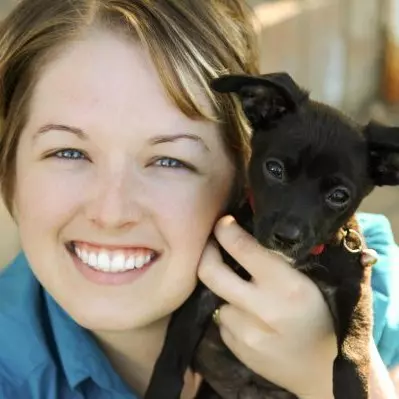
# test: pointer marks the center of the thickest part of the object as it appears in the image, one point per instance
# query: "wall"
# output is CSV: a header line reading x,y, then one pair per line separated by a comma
x,y
332,47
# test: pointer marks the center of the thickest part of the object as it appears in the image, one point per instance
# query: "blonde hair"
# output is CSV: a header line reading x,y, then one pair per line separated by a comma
x,y
186,39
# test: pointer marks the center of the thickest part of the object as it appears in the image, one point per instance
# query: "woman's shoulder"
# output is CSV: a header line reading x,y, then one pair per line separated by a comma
x,y
19,290
377,230
22,349
38,340
378,234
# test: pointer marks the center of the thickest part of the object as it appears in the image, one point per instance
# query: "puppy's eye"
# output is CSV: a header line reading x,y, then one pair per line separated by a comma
x,y
274,168
338,198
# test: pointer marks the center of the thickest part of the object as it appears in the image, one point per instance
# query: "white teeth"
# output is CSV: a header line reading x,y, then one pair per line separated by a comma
x,y
130,262
103,261
92,259
140,262
84,256
116,262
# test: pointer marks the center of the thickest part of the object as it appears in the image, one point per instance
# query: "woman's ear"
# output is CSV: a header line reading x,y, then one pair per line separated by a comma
x,y
383,145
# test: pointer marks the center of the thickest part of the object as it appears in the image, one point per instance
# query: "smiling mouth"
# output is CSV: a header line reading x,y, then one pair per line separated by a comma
x,y
112,261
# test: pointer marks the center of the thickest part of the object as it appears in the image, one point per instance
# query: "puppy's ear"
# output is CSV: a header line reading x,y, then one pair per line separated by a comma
x,y
383,143
264,98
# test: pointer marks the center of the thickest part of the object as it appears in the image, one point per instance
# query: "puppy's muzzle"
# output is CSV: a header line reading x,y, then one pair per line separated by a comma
x,y
287,236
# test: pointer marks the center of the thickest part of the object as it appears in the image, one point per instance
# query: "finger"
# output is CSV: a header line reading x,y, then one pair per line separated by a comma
x,y
258,261
236,320
223,281
369,257
244,334
192,383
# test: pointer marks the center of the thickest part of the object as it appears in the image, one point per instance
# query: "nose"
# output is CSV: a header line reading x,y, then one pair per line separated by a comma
x,y
287,235
115,203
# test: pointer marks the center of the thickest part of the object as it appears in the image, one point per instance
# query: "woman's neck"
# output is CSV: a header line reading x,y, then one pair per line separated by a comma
x,y
133,353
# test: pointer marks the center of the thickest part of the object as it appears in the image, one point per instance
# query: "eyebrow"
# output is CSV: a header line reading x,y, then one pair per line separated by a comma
x,y
176,137
156,140
64,128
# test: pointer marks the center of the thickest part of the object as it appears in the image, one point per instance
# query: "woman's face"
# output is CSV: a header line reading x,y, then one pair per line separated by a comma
x,y
117,191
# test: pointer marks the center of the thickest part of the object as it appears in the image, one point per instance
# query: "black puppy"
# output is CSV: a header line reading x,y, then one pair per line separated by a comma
x,y
310,168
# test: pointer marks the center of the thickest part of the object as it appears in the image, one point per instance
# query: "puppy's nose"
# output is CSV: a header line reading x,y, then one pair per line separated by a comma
x,y
288,235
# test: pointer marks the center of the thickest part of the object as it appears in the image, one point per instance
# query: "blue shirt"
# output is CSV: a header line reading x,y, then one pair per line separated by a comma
x,y
44,354
385,282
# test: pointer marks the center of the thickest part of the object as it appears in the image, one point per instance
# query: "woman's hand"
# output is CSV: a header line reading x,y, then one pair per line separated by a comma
x,y
278,324
381,383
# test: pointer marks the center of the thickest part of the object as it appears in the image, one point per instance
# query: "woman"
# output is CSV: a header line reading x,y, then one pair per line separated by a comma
x,y
116,162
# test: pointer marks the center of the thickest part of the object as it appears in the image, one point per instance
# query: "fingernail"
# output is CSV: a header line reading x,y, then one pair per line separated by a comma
x,y
369,256
370,252
368,260
227,220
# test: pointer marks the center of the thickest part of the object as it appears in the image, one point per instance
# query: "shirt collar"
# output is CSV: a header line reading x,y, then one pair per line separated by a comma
x,y
54,338
79,353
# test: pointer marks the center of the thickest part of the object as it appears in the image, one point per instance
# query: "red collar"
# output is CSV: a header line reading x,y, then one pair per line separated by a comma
x,y
251,200
317,250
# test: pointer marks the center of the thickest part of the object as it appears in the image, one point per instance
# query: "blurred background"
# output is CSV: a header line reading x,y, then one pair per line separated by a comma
x,y
345,51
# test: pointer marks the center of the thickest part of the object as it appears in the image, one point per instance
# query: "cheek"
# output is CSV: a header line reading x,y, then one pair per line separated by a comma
x,y
45,198
188,212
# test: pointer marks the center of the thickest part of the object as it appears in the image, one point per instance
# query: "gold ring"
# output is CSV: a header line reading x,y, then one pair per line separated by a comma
x,y
357,238
216,316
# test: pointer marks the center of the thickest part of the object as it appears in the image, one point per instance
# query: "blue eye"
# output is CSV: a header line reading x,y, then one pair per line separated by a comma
x,y
69,154
171,163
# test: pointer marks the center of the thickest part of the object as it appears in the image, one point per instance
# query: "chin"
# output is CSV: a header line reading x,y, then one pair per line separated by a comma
x,y
104,318
112,323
